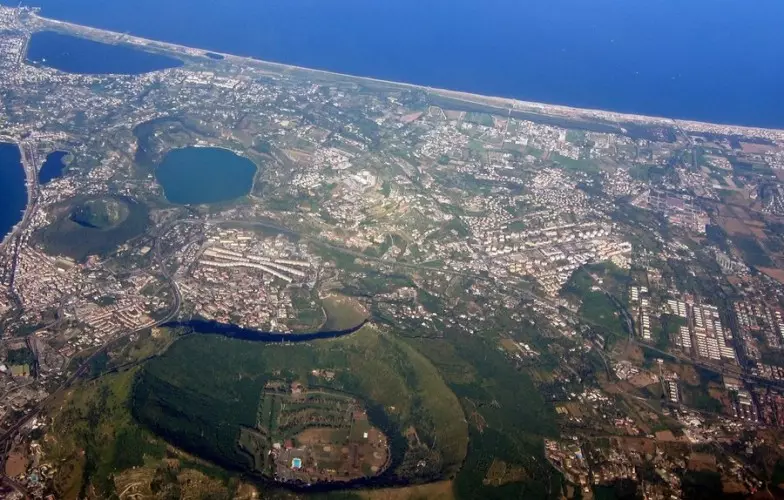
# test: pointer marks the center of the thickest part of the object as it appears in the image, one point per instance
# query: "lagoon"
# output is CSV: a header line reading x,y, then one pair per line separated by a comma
x,y
710,60
72,54
196,175
13,192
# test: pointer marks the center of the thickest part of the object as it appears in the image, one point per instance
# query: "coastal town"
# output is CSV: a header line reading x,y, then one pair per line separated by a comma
x,y
621,275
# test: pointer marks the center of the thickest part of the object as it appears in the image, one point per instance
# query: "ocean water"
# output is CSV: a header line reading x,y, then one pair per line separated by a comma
x,y
13,194
712,60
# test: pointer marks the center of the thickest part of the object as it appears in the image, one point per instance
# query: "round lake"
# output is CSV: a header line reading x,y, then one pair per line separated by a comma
x,y
193,175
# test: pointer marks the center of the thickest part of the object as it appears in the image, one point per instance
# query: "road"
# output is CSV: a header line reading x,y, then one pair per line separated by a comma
x,y
403,265
83,367
9,434
30,163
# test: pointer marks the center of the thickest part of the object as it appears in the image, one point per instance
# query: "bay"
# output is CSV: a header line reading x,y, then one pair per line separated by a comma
x,y
13,192
711,60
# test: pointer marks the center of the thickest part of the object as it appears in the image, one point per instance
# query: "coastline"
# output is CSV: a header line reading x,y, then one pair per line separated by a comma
x,y
503,103
28,186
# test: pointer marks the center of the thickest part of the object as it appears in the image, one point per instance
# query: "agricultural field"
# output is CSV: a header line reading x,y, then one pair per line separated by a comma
x,y
226,401
311,435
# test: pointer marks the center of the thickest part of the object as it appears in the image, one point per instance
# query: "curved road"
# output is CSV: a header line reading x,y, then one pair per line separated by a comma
x,y
9,434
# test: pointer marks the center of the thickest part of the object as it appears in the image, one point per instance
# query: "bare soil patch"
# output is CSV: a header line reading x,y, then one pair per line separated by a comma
x,y
702,461
15,464
776,274
734,226
410,117
748,147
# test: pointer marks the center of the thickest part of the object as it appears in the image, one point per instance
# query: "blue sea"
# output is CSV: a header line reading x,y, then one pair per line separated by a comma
x,y
712,60
13,193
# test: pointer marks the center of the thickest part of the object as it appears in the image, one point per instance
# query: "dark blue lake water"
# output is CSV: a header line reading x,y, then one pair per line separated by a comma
x,y
714,60
196,175
235,332
13,194
78,55
53,167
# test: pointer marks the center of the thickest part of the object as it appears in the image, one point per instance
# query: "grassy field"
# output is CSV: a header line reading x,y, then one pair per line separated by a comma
x,y
342,313
205,388
595,306
94,435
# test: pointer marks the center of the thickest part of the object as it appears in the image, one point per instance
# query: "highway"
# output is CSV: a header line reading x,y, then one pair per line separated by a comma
x,y
8,435
30,163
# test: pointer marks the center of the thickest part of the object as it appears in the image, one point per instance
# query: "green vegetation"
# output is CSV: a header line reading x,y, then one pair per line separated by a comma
x,y
575,136
618,490
649,173
670,326
752,251
101,213
484,119
777,476
746,168
98,438
717,236
700,399
596,306
376,282
22,356
576,165
507,417
309,313
699,395
699,485
204,389
600,310
262,146
84,227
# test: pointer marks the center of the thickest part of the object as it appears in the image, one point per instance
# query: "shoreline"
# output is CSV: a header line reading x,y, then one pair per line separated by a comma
x,y
7,237
503,103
